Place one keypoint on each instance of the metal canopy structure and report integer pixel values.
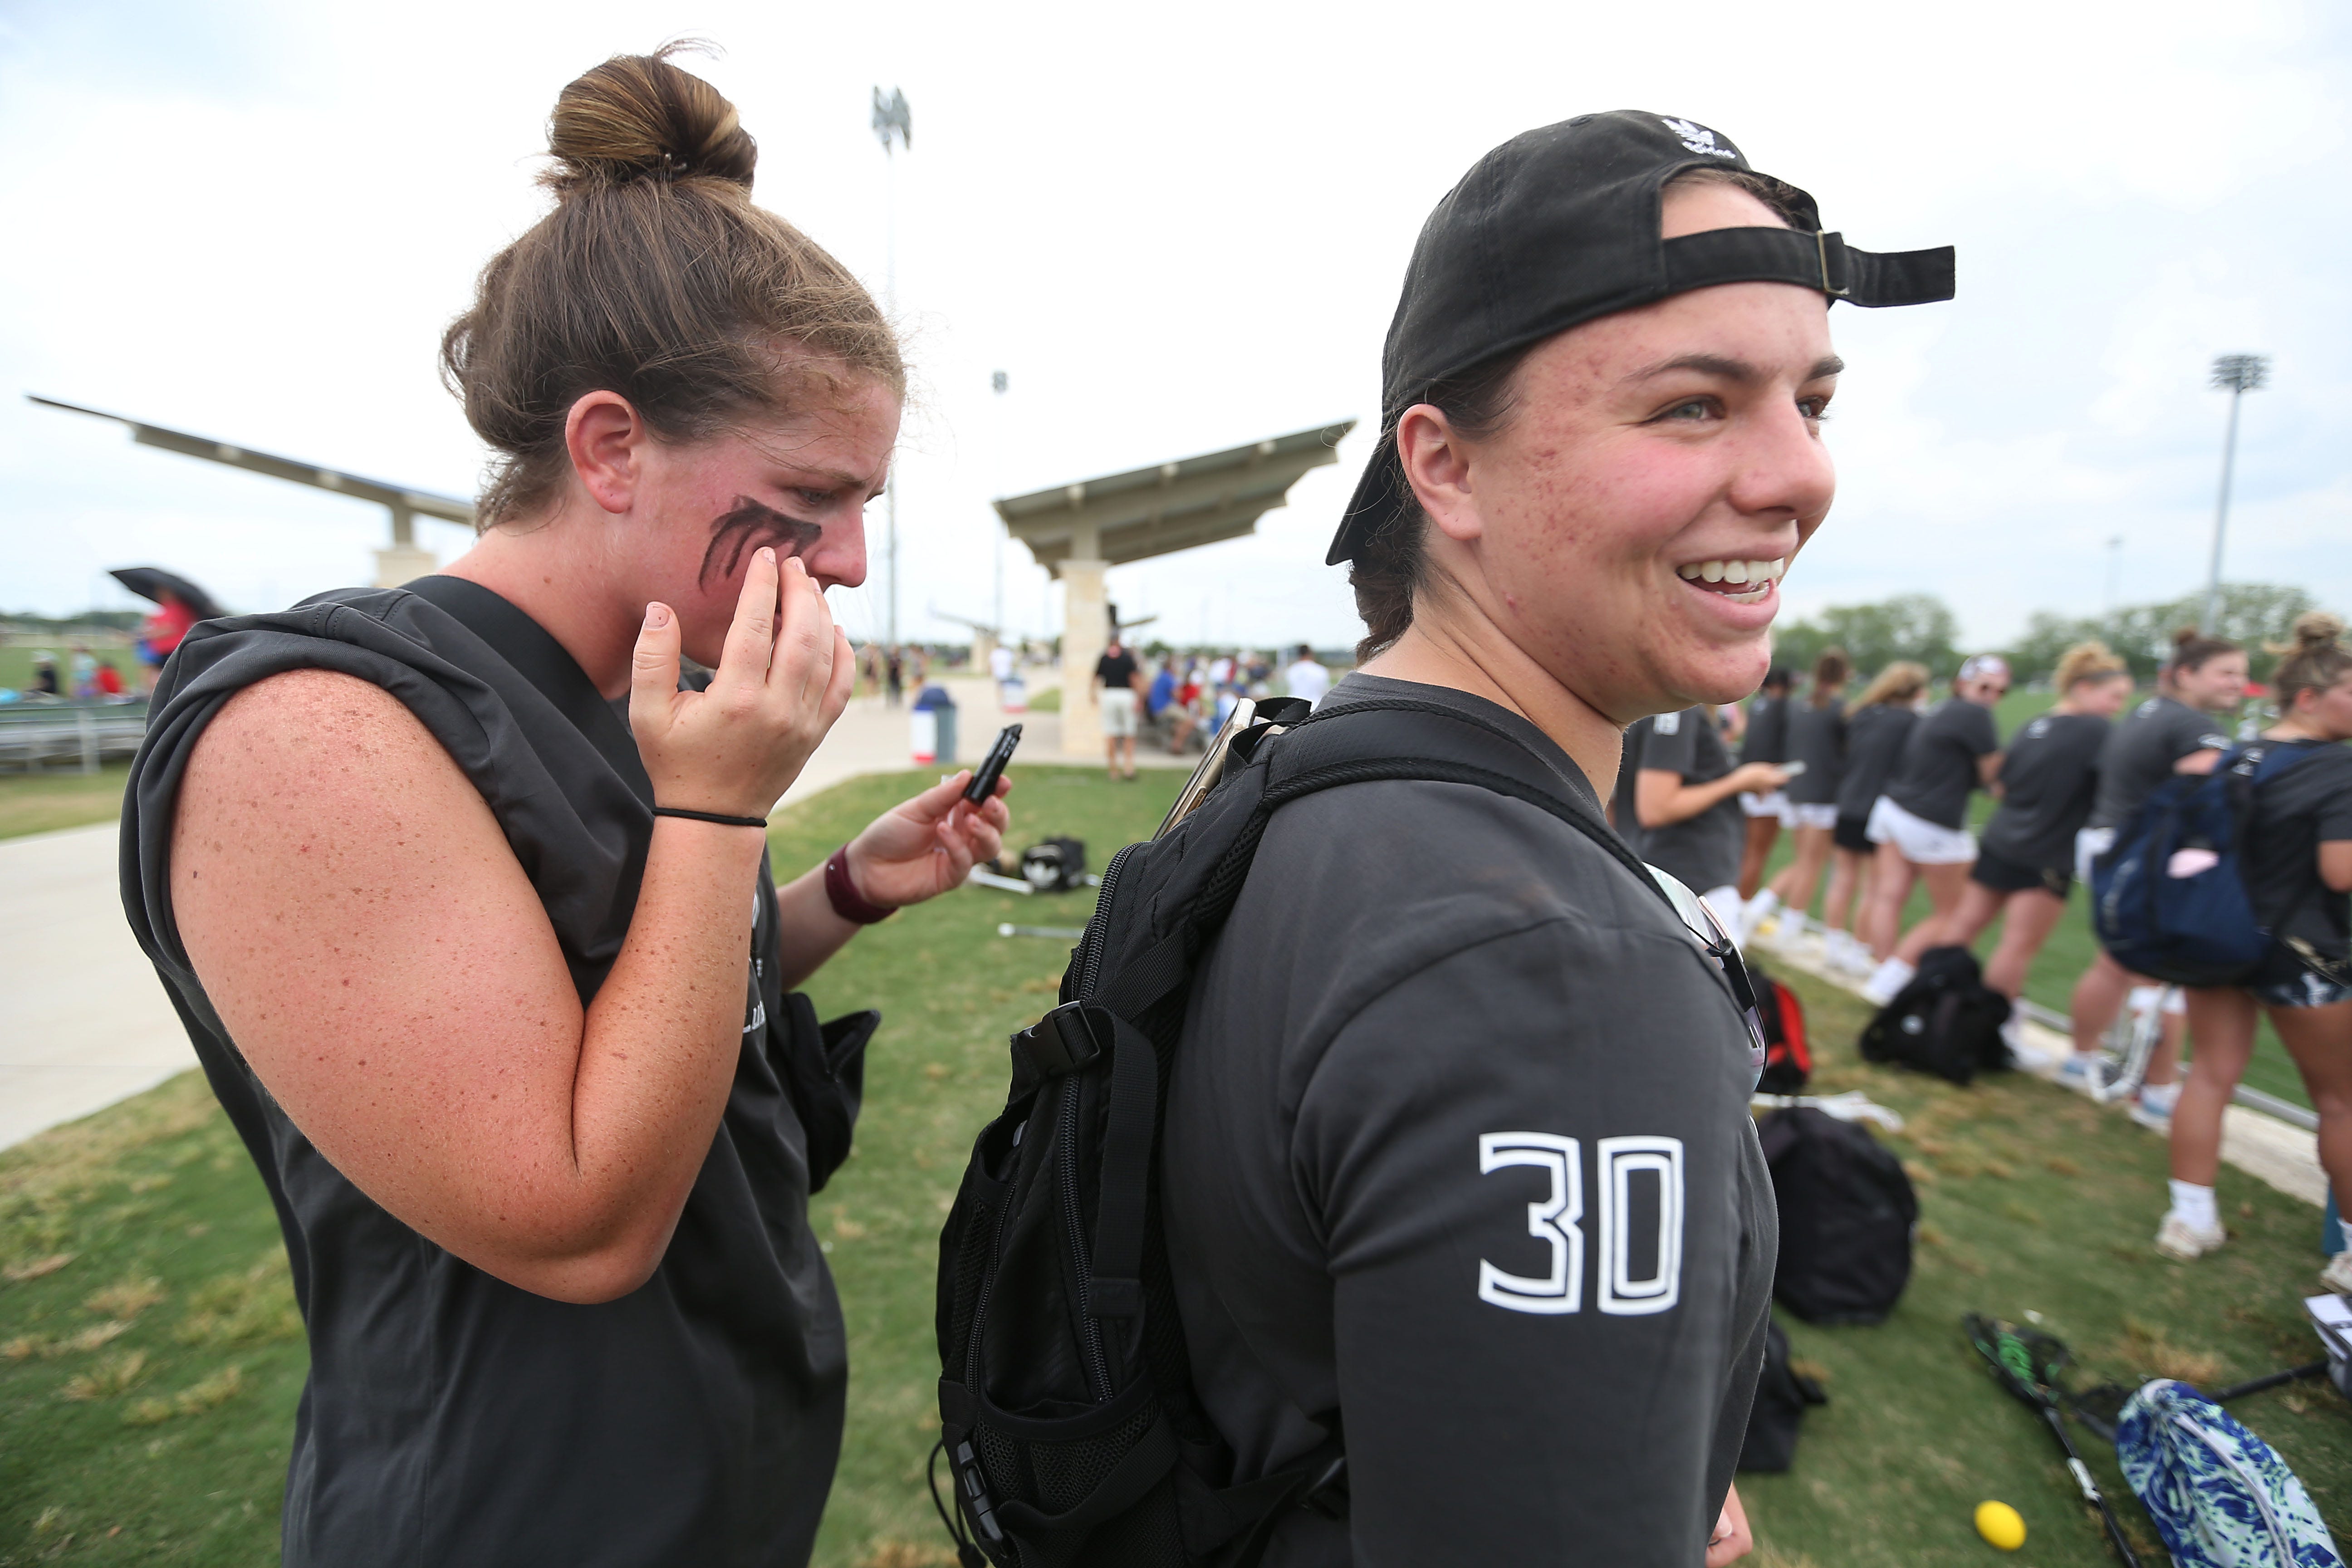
(398, 564)
(1153, 512)
(1080, 531)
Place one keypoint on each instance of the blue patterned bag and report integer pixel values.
(2219, 1496)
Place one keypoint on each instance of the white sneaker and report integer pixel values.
(2153, 1108)
(1886, 980)
(2338, 1275)
(2184, 1243)
(1848, 954)
(1794, 925)
(2085, 1071)
(1757, 911)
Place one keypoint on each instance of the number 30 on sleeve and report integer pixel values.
(1557, 1220)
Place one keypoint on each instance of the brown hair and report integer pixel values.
(1829, 672)
(2192, 648)
(1477, 403)
(655, 278)
(1387, 570)
(1901, 681)
(2086, 661)
(2315, 659)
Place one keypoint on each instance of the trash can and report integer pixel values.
(932, 724)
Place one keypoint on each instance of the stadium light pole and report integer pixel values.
(999, 382)
(2238, 375)
(895, 129)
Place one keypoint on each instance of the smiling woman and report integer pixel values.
(1467, 1183)
(496, 985)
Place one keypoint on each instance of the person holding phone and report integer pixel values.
(495, 983)
(1464, 1178)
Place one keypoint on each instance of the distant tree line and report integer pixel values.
(1921, 626)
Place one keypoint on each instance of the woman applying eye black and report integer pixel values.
(493, 982)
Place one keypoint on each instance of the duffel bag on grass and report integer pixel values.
(1846, 1214)
(1947, 1021)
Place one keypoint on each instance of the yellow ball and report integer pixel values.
(1998, 1524)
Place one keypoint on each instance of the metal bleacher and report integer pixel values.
(38, 736)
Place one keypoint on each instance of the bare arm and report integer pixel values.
(385, 967)
(1661, 798)
(2335, 864)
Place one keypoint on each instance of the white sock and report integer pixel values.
(2194, 1204)
(1886, 980)
(2160, 1096)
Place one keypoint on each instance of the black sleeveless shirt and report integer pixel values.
(451, 1418)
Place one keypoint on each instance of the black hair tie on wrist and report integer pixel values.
(760, 822)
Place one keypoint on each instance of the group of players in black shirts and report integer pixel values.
(1877, 792)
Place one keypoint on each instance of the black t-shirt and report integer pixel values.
(2048, 777)
(2141, 749)
(1627, 821)
(1938, 768)
(2295, 813)
(449, 1417)
(1767, 740)
(1471, 1172)
(1116, 671)
(1702, 851)
(1875, 738)
(1817, 738)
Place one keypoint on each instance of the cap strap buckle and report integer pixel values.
(1824, 242)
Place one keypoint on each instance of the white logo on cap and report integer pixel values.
(1698, 139)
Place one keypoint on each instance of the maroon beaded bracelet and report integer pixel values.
(847, 900)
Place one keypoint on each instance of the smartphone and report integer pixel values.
(1792, 768)
(1213, 765)
(992, 768)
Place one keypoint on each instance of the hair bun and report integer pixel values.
(639, 117)
(2184, 637)
(2317, 629)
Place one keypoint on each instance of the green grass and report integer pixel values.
(40, 803)
(16, 663)
(2031, 1199)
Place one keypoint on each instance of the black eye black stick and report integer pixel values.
(984, 777)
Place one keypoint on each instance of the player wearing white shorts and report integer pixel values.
(1920, 824)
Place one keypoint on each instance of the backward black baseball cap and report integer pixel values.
(1561, 224)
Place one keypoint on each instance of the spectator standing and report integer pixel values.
(2297, 855)
(160, 634)
(1000, 669)
(1920, 824)
(1305, 677)
(81, 672)
(109, 679)
(2183, 728)
(1878, 726)
(1117, 676)
(894, 675)
(2024, 870)
(1763, 738)
(1816, 738)
(1683, 803)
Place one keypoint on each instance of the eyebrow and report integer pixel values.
(1734, 370)
(839, 479)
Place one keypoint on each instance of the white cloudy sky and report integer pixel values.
(1180, 228)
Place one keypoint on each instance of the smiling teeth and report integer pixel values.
(1763, 574)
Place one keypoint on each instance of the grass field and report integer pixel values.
(147, 1381)
(39, 803)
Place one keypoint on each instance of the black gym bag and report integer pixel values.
(1947, 1021)
(1783, 1396)
(1846, 1215)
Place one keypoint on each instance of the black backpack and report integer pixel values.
(1947, 1021)
(1066, 1408)
(1846, 1215)
(1783, 1396)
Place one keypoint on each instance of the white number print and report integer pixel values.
(1554, 1220)
(1620, 1160)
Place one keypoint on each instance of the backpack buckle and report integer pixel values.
(1062, 1041)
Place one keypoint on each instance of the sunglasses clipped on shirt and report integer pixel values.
(1717, 943)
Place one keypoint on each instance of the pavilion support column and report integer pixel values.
(1086, 627)
(403, 562)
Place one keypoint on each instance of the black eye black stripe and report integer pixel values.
(748, 525)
